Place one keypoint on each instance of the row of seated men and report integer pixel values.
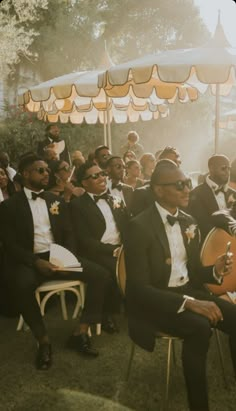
(164, 275)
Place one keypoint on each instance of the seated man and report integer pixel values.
(30, 221)
(165, 281)
(115, 170)
(212, 195)
(98, 220)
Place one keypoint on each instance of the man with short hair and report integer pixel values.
(115, 170)
(164, 289)
(30, 222)
(99, 220)
(132, 145)
(170, 153)
(212, 195)
(53, 140)
(101, 155)
(5, 162)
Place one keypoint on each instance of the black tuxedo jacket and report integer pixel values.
(18, 230)
(63, 156)
(89, 226)
(142, 198)
(148, 266)
(203, 203)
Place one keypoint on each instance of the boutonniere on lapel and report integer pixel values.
(231, 199)
(190, 232)
(54, 208)
(116, 202)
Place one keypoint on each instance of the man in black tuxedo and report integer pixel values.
(52, 137)
(98, 220)
(30, 221)
(165, 281)
(115, 170)
(212, 195)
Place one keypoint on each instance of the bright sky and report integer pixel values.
(209, 12)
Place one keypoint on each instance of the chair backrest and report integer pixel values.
(214, 246)
(121, 271)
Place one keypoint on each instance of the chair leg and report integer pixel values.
(173, 352)
(63, 305)
(219, 347)
(166, 397)
(130, 361)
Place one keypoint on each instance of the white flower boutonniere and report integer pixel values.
(190, 232)
(116, 202)
(54, 209)
(231, 200)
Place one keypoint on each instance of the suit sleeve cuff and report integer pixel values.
(182, 307)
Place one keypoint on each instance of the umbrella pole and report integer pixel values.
(108, 123)
(217, 118)
(105, 128)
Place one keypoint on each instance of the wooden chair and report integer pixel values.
(121, 280)
(58, 287)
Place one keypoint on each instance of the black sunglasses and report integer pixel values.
(95, 176)
(65, 168)
(180, 184)
(42, 170)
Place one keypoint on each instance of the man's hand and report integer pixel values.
(45, 267)
(206, 308)
(224, 264)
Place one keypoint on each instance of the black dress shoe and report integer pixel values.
(44, 357)
(109, 326)
(82, 344)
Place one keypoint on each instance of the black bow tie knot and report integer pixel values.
(34, 195)
(172, 219)
(220, 189)
(104, 196)
(117, 186)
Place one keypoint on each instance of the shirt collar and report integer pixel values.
(28, 192)
(215, 186)
(164, 213)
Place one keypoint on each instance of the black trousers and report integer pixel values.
(24, 280)
(196, 330)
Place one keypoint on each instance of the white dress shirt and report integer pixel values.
(179, 273)
(115, 192)
(43, 236)
(220, 197)
(111, 234)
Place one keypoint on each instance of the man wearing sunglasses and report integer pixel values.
(115, 170)
(164, 289)
(30, 222)
(212, 195)
(98, 221)
(101, 155)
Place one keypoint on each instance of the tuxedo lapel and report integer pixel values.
(159, 231)
(26, 216)
(209, 199)
(93, 208)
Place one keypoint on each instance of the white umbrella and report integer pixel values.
(211, 65)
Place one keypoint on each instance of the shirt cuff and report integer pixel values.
(217, 277)
(182, 307)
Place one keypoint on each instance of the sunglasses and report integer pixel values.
(65, 168)
(42, 170)
(180, 184)
(95, 176)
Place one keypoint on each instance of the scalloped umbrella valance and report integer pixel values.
(212, 65)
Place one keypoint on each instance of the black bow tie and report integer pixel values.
(103, 196)
(117, 186)
(172, 219)
(220, 190)
(34, 196)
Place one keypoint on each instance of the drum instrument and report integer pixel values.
(214, 246)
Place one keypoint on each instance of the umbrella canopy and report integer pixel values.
(211, 65)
